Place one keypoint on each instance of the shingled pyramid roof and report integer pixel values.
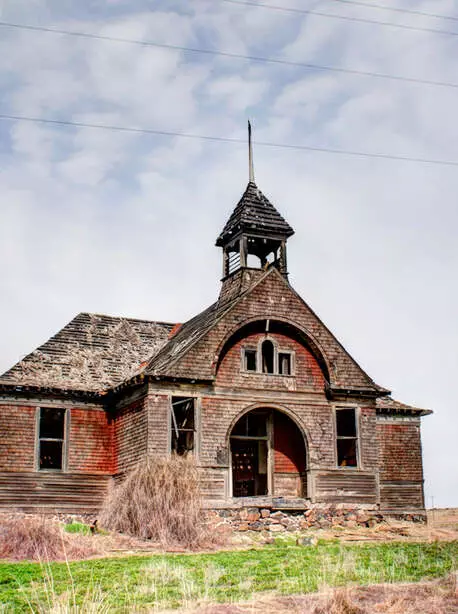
(254, 214)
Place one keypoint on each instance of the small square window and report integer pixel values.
(284, 363)
(250, 360)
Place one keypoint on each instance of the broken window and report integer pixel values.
(284, 363)
(347, 437)
(183, 425)
(51, 438)
(268, 353)
(250, 360)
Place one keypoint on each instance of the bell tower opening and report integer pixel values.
(255, 235)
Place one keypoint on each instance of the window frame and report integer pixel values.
(356, 438)
(196, 430)
(64, 440)
(277, 351)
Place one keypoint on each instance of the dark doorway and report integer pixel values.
(249, 468)
(268, 455)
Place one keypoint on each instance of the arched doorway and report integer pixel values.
(268, 455)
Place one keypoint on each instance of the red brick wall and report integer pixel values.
(17, 438)
(306, 374)
(400, 451)
(90, 442)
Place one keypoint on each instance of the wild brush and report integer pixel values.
(39, 539)
(159, 500)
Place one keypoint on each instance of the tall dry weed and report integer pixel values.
(159, 500)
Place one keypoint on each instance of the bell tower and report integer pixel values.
(255, 235)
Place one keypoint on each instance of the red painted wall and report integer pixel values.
(289, 448)
(17, 438)
(90, 443)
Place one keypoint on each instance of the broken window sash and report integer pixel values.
(183, 425)
(347, 437)
(51, 438)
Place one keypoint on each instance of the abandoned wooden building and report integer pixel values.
(271, 405)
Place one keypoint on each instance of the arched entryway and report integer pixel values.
(268, 455)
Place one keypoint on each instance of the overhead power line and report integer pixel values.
(226, 54)
(169, 133)
(395, 9)
(274, 7)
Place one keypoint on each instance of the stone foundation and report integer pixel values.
(280, 521)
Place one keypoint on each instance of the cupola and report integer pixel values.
(255, 235)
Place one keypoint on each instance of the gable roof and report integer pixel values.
(190, 354)
(91, 353)
(254, 213)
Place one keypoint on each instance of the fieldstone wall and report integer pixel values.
(281, 521)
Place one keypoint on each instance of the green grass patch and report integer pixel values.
(78, 527)
(168, 581)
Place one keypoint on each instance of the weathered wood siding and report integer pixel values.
(401, 471)
(345, 486)
(52, 492)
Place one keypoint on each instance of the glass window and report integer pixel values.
(253, 424)
(347, 440)
(51, 438)
(183, 425)
(250, 360)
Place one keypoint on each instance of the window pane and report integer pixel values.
(267, 357)
(250, 360)
(52, 423)
(284, 364)
(346, 453)
(346, 422)
(51, 454)
(251, 425)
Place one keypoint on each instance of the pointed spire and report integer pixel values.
(250, 155)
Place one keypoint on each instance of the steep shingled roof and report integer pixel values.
(254, 213)
(91, 353)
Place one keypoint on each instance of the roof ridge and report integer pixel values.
(106, 315)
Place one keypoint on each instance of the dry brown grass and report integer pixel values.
(39, 539)
(160, 500)
(437, 597)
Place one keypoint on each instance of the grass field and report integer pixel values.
(162, 581)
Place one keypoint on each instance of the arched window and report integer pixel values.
(268, 353)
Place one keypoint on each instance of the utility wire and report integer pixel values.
(169, 133)
(395, 9)
(224, 54)
(390, 24)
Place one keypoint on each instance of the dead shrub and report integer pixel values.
(340, 602)
(39, 539)
(159, 500)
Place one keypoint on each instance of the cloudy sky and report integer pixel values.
(124, 223)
